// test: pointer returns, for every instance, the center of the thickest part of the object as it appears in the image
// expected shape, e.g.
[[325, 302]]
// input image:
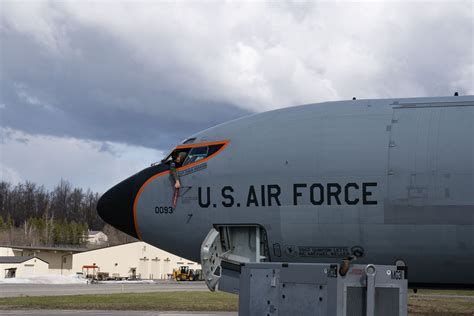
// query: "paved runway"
[[12, 290], [107, 313]]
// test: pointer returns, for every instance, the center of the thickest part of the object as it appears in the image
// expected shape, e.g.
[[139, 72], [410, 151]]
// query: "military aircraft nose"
[[115, 207]]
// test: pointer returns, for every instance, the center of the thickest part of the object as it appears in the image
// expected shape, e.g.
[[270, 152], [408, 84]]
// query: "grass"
[[444, 292], [440, 306], [162, 301], [218, 301], [422, 303]]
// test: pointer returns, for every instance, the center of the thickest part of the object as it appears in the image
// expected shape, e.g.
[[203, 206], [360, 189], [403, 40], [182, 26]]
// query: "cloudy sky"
[[92, 92]]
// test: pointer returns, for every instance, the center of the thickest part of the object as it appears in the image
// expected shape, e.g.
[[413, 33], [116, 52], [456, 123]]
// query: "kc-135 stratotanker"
[[387, 181]]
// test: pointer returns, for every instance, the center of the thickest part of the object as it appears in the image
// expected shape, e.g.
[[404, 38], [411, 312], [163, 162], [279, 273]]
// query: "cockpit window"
[[177, 152], [194, 153], [200, 153], [213, 149]]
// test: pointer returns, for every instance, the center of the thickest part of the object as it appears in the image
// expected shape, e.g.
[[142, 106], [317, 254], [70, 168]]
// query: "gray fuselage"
[[386, 180]]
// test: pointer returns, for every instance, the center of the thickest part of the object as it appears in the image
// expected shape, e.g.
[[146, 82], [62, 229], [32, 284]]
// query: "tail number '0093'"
[[164, 209]]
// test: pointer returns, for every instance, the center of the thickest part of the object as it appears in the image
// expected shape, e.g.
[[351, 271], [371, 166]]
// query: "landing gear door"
[[232, 245], [211, 257]]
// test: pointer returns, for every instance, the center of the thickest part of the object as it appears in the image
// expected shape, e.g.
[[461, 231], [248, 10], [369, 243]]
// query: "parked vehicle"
[[184, 274]]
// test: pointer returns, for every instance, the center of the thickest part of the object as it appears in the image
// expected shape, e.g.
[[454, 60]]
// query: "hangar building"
[[58, 258], [11, 266], [132, 260]]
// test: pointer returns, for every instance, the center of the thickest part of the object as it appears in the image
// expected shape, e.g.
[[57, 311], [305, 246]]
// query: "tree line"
[[34, 216]]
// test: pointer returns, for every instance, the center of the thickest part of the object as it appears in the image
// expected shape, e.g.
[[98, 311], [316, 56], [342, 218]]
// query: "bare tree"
[[31, 215]]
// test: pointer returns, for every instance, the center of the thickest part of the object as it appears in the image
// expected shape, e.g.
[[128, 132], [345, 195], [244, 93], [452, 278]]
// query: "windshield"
[[192, 153]]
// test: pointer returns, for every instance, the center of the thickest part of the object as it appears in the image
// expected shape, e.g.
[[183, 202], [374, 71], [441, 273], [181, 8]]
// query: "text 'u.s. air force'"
[[264, 195]]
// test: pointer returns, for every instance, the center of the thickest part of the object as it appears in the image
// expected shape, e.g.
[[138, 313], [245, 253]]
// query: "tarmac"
[[15, 290]]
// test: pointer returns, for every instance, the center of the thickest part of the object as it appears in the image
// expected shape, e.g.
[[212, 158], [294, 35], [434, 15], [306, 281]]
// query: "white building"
[[132, 260], [59, 259], [136, 259], [21, 266], [95, 237], [6, 251]]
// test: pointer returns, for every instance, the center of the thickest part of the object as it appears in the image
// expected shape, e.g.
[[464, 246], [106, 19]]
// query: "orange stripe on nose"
[[186, 146]]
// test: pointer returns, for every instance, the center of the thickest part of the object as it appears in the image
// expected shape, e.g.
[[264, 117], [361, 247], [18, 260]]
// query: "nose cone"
[[115, 207]]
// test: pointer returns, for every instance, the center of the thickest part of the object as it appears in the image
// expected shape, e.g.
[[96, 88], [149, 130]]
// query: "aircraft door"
[[412, 150], [430, 168]]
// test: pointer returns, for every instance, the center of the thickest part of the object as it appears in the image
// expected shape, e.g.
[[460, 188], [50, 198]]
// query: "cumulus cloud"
[[155, 57], [68, 77], [149, 74]]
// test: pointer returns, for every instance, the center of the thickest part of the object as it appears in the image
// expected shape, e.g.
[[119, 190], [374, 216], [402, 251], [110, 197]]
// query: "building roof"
[[106, 247], [17, 259], [68, 249]]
